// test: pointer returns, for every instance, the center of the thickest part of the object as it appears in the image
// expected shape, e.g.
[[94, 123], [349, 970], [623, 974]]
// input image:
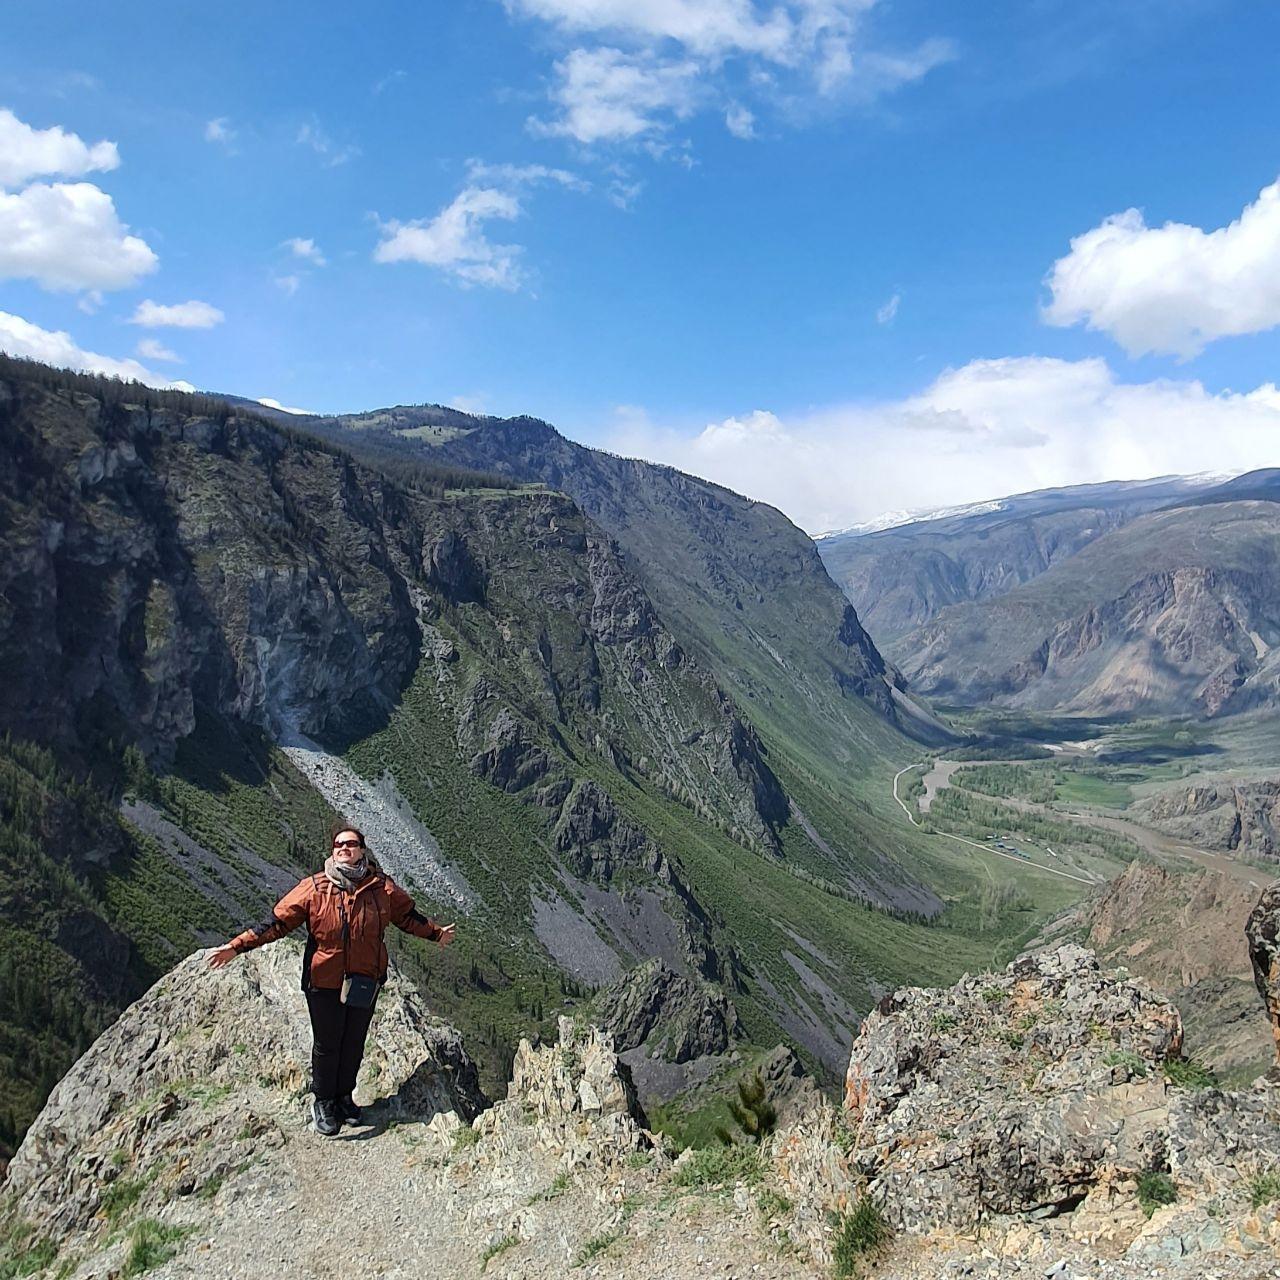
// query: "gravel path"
[[401, 1203]]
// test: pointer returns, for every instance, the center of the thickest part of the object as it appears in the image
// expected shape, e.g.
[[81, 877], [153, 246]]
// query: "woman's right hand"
[[222, 956]]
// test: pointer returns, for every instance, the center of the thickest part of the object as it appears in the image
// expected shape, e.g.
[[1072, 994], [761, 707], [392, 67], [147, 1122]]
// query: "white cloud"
[[27, 153], [66, 236], [21, 338], [288, 285], [153, 349], [640, 65], [990, 428], [740, 122], [1175, 288], [179, 315], [455, 242], [605, 95], [306, 249], [331, 152], [220, 132], [888, 312], [284, 408]]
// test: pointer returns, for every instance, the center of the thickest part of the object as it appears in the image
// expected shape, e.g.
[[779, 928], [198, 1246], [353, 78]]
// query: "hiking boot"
[[349, 1110], [325, 1117]]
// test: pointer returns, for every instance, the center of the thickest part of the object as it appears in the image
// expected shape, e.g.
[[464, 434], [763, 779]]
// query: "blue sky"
[[804, 248]]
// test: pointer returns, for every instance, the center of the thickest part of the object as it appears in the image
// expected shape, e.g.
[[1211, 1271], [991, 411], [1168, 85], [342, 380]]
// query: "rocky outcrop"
[[1262, 932], [1243, 816], [1034, 1103], [669, 1015], [580, 1076], [1180, 932], [193, 1079], [1014, 1088]]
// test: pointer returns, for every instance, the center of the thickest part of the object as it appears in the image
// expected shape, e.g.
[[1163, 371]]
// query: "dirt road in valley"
[[1155, 844]]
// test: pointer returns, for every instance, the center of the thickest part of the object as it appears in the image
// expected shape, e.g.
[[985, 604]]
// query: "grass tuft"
[[718, 1166], [860, 1234]]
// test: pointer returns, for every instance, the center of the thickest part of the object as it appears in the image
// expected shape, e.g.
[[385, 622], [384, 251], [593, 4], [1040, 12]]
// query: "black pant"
[[337, 1043]]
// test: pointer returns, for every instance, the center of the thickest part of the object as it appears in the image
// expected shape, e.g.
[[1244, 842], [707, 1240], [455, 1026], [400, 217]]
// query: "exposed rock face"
[[1242, 816], [1006, 1091], [900, 576], [1173, 613], [1180, 932], [673, 1017], [1035, 1096], [192, 1078], [581, 1076], [1263, 934]]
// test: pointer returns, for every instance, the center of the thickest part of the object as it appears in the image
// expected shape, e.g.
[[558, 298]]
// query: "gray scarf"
[[346, 875]]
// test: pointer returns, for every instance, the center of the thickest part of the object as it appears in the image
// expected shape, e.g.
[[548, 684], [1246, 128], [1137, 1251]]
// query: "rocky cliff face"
[[1173, 613], [1242, 816], [1182, 933]]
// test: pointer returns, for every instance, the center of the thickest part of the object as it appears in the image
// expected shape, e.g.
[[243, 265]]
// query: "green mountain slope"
[[218, 635], [743, 589]]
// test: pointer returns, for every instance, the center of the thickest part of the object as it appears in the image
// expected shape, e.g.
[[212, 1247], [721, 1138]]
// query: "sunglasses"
[[346, 844]]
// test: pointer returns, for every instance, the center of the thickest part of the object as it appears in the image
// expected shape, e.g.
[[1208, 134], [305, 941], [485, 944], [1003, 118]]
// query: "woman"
[[346, 911]]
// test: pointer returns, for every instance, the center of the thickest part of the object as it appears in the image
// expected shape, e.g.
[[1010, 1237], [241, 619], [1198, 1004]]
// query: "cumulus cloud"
[[989, 428], [178, 315], [1172, 289], [67, 236], [305, 249], [605, 95], [20, 337], [456, 242], [288, 285], [640, 66], [153, 349], [27, 153]]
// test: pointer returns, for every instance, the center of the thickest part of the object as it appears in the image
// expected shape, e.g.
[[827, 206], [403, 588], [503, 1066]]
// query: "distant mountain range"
[[1150, 597]]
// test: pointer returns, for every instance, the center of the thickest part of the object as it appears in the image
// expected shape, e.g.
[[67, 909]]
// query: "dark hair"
[[346, 826]]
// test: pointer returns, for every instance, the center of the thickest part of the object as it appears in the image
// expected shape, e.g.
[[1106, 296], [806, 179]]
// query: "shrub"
[[753, 1113], [1155, 1189], [860, 1233]]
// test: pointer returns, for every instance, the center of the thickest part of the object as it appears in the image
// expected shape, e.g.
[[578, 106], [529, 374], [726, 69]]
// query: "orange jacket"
[[344, 929]]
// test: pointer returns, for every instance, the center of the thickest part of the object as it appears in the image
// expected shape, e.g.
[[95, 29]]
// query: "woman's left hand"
[[446, 935]]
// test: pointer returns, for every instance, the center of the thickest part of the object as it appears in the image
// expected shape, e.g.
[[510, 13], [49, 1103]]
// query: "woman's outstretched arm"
[[286, 915], [404, 915]]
